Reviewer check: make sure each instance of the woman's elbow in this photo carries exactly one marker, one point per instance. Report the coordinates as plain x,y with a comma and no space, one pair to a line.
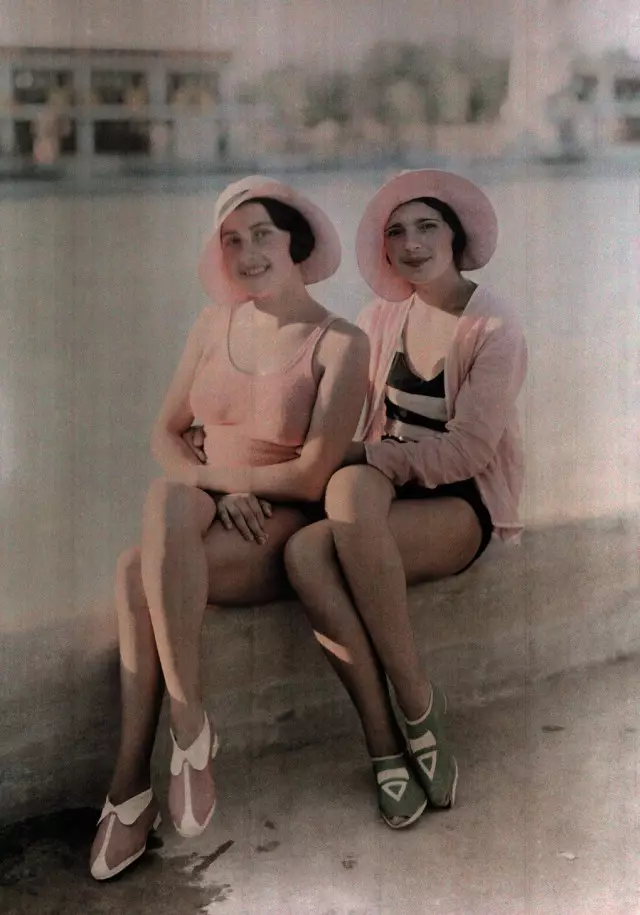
476,461
156,441
312,484
312,490
160,443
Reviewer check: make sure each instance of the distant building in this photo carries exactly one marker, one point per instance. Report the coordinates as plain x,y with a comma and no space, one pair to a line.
95,104
609,89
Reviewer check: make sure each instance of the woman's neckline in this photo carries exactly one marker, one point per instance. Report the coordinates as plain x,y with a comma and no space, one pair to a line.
404,342
281,369
456,315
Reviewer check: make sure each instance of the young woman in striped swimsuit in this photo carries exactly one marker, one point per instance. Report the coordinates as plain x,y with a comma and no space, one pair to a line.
278,382
436,470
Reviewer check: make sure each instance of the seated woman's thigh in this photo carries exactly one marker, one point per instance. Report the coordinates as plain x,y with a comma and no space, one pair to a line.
243,571
436,537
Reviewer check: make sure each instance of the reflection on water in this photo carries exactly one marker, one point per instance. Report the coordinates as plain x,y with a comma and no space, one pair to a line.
98,295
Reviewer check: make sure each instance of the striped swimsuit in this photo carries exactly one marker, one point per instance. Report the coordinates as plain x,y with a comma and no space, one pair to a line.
413,406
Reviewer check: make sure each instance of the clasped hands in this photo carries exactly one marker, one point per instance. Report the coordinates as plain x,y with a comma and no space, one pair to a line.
241,510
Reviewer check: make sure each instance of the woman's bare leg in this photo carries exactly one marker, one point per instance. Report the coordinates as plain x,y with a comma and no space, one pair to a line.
359,504
141,682
141,689
176,584
434,539
316,575
239,573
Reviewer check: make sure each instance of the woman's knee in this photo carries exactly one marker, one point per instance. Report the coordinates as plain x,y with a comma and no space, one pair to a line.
171,506
356,492
306,548
163,500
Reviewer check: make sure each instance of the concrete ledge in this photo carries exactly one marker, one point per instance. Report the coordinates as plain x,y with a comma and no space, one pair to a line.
568,596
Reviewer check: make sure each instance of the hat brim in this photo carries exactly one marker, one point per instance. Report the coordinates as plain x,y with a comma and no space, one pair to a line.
471,205
321,264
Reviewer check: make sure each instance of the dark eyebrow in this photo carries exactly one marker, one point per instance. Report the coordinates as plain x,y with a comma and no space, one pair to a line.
256,225
416,222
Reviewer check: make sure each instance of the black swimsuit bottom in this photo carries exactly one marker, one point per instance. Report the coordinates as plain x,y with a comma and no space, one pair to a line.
462,489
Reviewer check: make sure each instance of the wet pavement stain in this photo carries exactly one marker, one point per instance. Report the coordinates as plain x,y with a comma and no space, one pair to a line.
219,893
44,871
208,860
287,715
552,728
268,846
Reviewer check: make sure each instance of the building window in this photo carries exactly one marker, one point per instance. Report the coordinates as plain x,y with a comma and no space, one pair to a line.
24,138
69,138
42,87
119,87
585,87
627,89
56,133
193,90
121,137
630,130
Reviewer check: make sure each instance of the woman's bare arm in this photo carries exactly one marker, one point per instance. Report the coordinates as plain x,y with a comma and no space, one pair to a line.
167,445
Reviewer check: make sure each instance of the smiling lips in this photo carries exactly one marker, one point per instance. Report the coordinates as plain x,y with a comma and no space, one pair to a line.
252,272
415,262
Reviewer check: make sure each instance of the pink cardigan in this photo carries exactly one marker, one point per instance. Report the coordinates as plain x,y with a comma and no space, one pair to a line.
484,372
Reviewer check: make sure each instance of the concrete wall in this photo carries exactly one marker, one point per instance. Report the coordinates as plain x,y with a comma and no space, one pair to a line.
568,596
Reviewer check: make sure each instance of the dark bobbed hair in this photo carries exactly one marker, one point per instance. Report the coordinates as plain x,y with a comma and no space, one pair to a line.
288,219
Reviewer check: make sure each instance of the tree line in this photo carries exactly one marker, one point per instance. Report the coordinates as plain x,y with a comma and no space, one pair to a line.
397,83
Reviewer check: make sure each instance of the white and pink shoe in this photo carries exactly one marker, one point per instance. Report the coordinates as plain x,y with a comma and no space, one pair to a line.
192,793
123,831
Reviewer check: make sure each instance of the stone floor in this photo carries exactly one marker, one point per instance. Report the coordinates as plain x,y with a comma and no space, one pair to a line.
547,822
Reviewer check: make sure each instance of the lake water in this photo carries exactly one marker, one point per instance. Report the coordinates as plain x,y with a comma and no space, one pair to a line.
99,291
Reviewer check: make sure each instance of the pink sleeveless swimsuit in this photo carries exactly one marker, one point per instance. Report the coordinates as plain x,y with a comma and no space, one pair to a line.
253,420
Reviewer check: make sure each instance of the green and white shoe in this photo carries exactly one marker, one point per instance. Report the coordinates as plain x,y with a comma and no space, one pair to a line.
400,797
434,763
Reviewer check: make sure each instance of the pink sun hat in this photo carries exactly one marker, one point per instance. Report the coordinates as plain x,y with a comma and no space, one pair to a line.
472,207
322,263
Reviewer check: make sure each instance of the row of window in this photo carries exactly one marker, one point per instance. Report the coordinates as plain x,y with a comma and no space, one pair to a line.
109,137
112,87
625,88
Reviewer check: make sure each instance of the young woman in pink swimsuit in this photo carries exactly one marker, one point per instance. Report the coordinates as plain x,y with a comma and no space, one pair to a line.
278,383
437,470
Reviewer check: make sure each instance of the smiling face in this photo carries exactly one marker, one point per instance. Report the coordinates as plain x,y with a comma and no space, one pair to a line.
418,243
256,253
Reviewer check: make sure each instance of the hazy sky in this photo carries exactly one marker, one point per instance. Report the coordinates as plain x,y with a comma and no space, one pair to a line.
265,33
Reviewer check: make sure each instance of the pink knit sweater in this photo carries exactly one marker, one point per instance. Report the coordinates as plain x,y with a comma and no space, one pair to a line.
484,372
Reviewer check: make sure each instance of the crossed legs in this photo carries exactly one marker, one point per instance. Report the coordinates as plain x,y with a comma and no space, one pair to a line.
351,573
187,560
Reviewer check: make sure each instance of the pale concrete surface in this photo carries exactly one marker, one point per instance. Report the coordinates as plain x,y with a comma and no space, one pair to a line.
567,596
547,823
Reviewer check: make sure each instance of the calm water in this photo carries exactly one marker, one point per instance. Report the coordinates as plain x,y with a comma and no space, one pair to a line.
98,293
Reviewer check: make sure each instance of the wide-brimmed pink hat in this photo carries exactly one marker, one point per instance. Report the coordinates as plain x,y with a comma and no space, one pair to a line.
322,263
472,207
